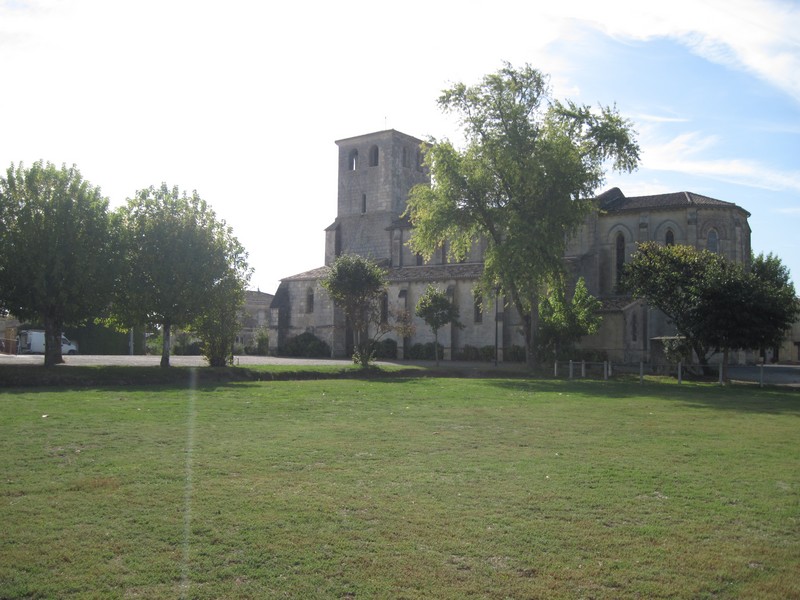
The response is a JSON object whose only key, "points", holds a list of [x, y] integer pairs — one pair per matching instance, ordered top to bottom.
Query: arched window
{"points": [[373, 156], [352, 160], [670, 238], [712, 242], [620, 257], [478, 309]]}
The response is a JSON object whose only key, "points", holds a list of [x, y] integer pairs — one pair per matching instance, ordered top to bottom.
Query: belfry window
{"points": [[373, 156], [352, 160]]}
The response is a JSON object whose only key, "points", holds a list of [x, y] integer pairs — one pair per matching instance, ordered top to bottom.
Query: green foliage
{"points": [[522, 182], [57, 249], [183, 267], [356, 284], [715, 303], [437, 310], [562, 322], [219, 323], [306, 345], [386, 349], [426, 351]]}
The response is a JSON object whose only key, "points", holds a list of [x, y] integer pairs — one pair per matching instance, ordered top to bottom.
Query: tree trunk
{"points": [[52, 342], [165, 346], [724, 365]]}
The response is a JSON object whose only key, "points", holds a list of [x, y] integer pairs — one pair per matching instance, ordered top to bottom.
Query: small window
{"points": [[373, 156], [404, 157], [352, 160], [363, 203], [670, 238], [712, 243], [420, 260], [310, 301], [384, 308], [478, 309]]}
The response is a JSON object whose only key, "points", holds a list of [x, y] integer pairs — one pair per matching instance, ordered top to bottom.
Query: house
{"points": [[376, 172]]}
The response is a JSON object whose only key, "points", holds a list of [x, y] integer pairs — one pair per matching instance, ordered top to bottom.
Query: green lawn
{"points": [[416, 488]]}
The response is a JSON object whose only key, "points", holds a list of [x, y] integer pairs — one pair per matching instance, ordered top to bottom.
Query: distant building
{"points": [[376, 172], [255, 317]]}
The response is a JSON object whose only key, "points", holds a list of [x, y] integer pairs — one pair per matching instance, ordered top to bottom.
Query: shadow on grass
{"points": [[739, 397]]}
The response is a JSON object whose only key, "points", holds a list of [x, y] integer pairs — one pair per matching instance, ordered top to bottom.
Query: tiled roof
{"points": [[614, 200], [435, 272], [317, 273]]}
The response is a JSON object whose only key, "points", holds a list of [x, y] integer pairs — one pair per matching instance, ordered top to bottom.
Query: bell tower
{"points": [[376, 172]]}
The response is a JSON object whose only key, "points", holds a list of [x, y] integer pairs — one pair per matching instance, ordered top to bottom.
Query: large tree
{"points": [[522, 182], [56, 249], [177, 255], [356, 284], [715, 304], [437, 310]]}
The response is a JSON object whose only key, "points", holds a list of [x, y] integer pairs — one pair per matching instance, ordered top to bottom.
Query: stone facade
{"points": [[376, 172]]}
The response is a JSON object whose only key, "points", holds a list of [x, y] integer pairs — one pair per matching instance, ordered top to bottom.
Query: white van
{"points": [[31, 341]]}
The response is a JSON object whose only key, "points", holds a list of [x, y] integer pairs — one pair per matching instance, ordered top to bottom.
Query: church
{"points": [[376, 172]]}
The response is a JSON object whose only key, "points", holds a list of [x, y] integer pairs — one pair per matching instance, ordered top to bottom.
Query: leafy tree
{"points": [[522, 183], [56, 249], [181, 263], [671, 279], [356, 284], [714, 303], [746, 308], [437, 310], [562, 322], [219, 323]]}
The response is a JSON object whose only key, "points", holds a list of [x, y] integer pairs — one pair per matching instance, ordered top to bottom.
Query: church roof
{"points": [[614, 200], [435, 272], [317, 273]]}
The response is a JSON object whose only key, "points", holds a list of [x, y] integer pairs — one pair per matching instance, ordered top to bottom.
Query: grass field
{"points": [[414, 488]]}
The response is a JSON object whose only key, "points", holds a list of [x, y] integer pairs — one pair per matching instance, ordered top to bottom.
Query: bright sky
{"points": [[243, 100]]}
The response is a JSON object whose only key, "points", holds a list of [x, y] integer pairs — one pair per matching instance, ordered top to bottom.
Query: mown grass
{"points": [[416, 488]]}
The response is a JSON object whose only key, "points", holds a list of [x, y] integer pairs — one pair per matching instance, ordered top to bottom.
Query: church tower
{"points": [[376, 172]]}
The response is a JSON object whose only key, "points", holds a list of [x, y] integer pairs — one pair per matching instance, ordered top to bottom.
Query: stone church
{"points": [[376, 172]]}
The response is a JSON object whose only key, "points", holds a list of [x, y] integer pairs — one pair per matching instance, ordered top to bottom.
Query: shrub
{"points": [[306, 345], [385, 348], [424, 351], [469, 353], [487, 353], [514, 354]]}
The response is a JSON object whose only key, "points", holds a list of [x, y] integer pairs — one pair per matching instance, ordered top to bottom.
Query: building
{"points": [[376, 172]]}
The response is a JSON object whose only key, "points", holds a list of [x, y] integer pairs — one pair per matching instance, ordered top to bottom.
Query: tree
{"points": [[522, 183], [56, 249], [180, 262], [671, 279], [356, 285], [714, 303], [746, 309], [437, 310], [563, 322], [219, 323]]}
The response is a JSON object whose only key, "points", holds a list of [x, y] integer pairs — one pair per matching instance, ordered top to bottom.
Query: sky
{"points": [[243, 100]]}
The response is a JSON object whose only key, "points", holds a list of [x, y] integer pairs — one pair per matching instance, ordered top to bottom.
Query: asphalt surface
{"points": [[772, 374]]}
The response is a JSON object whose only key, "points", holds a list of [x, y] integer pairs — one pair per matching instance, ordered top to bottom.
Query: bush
{"points": [[306, 345], [385, 349], [424, 351], [470, 353], [487, 353], [514, 354]]}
